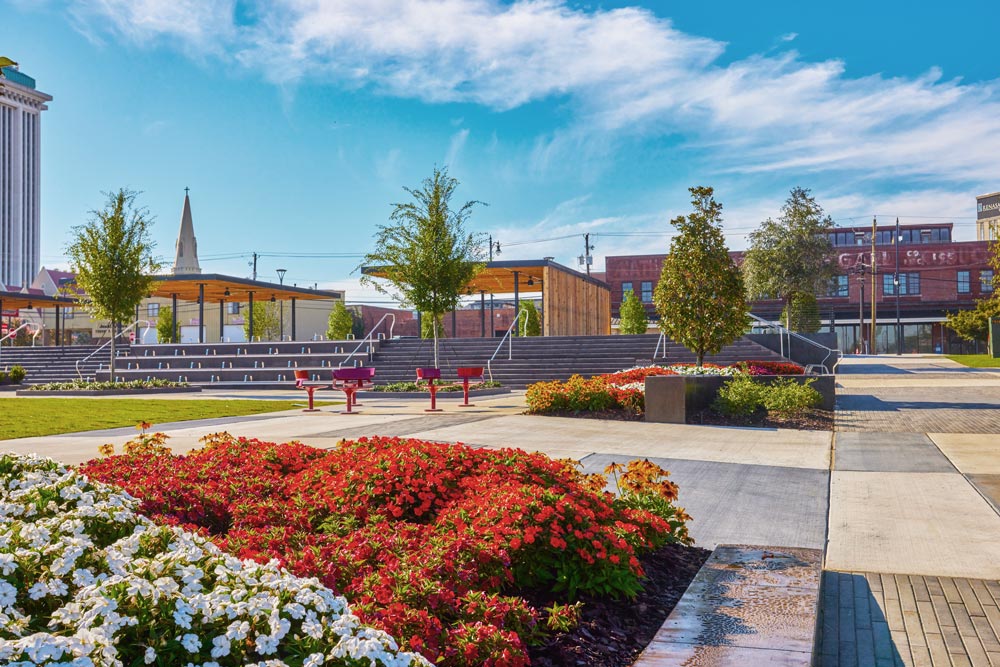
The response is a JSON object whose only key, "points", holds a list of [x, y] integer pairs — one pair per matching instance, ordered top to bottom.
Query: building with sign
{"points": [[21, 107], [988, 217], [936, 276]]}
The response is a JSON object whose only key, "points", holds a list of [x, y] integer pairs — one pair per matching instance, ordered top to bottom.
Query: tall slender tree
{"points": [[425, 252], [112, 255], [792, 255], [700, 297], [633, 318]]}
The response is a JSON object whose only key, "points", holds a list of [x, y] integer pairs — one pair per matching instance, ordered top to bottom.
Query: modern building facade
{"points": [[21, 107], [988, 217], [936, 276]]}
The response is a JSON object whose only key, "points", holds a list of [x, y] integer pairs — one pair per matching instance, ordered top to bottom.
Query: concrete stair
{"points": [[265, 365]]}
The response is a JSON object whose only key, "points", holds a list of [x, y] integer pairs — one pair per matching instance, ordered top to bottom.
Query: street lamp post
{"points": [[860, 270], [895, 280], [281, 306]]}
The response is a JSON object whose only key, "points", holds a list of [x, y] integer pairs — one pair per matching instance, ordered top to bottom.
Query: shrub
{"points": [[17, 374], [87, 385], [575, 395], [785, 396], [740, 397], [743, 397], [429, 542]]}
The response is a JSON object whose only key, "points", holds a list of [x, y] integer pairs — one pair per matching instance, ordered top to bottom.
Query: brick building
{"points": [[936, 275]]}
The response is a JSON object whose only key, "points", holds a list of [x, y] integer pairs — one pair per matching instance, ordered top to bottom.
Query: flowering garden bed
{"points": [[622, 395], [464, 555]]}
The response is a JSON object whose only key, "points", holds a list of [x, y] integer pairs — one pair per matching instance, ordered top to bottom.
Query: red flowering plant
{"points": [[769, 368], [433, 543]]}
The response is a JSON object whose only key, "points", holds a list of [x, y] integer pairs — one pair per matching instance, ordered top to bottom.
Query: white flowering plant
{"points": [[87, 581]]}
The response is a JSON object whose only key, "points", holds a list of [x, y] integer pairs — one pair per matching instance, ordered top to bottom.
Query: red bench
{"points": [[467, 373], [430, 374], [350, 381]]}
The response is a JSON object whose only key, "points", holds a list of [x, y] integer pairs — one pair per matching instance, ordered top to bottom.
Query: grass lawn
{"points": [[975, 360], [26, 417]]}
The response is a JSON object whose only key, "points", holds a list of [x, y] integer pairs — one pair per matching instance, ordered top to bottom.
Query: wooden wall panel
{"points": [[573, 306]]}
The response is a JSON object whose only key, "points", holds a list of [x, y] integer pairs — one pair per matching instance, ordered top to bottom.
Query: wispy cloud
{"points": [[622, 71], [455, 147]]}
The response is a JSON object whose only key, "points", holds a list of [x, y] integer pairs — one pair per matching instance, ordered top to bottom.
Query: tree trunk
{"points": [[788, 312], [114, 326], [434, 330], [701, 358]]}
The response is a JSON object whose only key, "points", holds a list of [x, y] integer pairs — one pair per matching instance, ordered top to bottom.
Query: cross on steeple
{"points": [[186, 191]]}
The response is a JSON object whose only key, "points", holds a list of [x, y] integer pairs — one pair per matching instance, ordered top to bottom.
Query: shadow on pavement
{"points": [[853, 630]]}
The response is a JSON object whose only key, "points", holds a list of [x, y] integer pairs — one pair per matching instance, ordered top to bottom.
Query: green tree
{"points": [[425, 252], [791, 255], [112, 256], [700, 297], [633, 315], [804, 315], [266, 321], [340, 322], [529, 323], [975, 324], [427, 329], [165, 331]]}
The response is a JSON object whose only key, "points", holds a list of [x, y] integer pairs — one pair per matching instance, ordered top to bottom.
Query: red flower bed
{"points": [[769, 368], [637, 374], [430, 542]]}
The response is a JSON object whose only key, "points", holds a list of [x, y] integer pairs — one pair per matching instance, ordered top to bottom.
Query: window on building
{"points": [[925, 236], [986, 280], [963, 282], [909, 284], [838, 286], [626, 288], [647, 291], [233, 308], [153, 310], [68, 313]]}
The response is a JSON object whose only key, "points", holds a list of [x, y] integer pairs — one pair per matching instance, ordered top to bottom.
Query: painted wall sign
{"points": [[988, 207]]}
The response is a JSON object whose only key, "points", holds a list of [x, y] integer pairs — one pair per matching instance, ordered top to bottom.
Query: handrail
{"points": [[24, 325], [392, 325], [782, 331], [120, 333], [506, 337], [662, 339]]}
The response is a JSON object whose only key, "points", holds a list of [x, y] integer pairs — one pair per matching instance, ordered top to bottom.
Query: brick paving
{"points": [[919, 409], [908, 620]]}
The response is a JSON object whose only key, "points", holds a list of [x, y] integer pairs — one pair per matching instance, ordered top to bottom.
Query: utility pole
{"points": [[494, 244], [586, 251], [255, 266], [860, 269], [895, 280], [872, 338]]}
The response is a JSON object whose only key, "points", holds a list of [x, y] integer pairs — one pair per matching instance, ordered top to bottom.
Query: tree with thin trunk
{"points": [[425, 252], [792, 255], [112, 256], [700, 297], [633, 318], [266, 321], [340, 322], [530, 324], [166, 332]]}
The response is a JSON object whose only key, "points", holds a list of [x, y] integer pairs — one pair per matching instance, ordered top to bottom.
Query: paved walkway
{"points": [[909, 485]]}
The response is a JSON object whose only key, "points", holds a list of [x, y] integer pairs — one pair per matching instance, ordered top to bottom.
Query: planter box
{"points": [[109, 392], [671, 398]]}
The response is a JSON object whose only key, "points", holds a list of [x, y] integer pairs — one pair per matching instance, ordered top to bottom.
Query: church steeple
{"points": [[186, 260]]}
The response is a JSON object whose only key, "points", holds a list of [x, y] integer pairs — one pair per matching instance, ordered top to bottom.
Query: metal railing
{"points": [[26, 325], [784, 332], [117, 335], [369, 338], [509, 338], [662, 340]]}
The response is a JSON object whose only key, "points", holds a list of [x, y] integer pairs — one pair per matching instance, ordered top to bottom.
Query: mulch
{"points": [[612, 633]]}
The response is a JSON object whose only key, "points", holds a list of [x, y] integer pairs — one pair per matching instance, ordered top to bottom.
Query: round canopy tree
{"points": [[425, 252], [112, 256], [700, 297]]}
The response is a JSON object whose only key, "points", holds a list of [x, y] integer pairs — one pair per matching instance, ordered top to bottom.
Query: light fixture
{"points": [[531, 281], [226, 293], [272, 298]]}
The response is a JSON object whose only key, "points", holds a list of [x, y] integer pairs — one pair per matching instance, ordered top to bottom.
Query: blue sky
{"points": [[296, 122]]}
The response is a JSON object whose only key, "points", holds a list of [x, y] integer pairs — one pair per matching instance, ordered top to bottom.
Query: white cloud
{"points": [[622, 71], [455, 147]]}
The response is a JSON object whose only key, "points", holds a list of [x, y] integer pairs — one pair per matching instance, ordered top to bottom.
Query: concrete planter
{"points": [[671, 398]]}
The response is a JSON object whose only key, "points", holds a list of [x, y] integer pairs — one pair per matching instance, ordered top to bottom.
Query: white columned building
{"points": [[21, 107]]}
